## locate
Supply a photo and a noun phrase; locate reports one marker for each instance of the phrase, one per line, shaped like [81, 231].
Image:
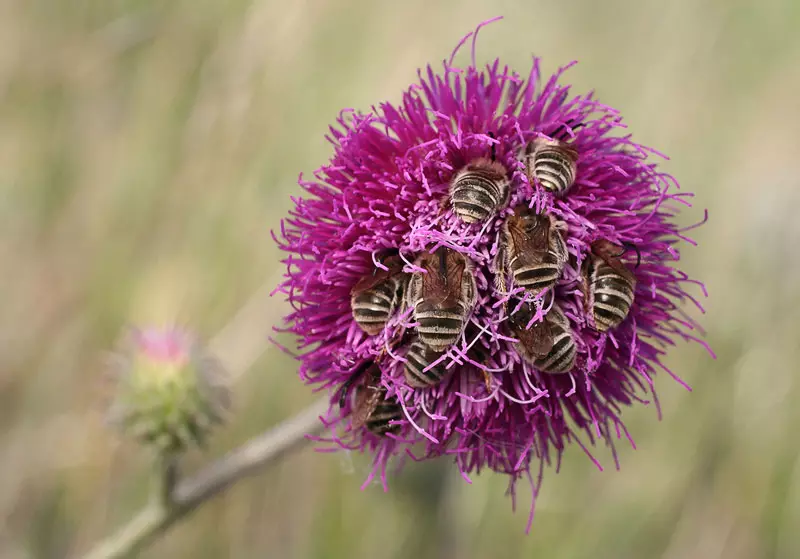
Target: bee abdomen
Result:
[554, 169]
[476, 194]
[373, 307]
[417, 359]
[537, 278]
[561, 358]
[439, 329]
[612, 298]
[379, 421]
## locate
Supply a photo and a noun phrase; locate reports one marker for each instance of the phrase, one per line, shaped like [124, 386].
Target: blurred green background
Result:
[146, 150]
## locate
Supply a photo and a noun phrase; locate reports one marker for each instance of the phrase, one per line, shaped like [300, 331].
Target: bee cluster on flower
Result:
[484, 271]
[441, 293]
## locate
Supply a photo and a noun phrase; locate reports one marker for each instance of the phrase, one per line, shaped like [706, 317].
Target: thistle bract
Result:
[387, 187]
[170, 392]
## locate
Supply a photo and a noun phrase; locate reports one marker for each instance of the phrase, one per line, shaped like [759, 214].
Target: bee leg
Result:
[494, 146]
[584, 286]
[444, 204]
[345, 388]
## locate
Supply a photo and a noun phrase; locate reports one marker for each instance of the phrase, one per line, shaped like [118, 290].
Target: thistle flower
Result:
[170, 392]
[387, 186]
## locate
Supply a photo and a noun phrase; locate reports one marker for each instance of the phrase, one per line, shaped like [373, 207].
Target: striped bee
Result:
[561, 357]
[552, 162]
[609, 285]
[442, 298]
[374, 298]
[372, 408]
[533, 249]
[478, 190]
[537, 340]
[418, 357]
[549, 344]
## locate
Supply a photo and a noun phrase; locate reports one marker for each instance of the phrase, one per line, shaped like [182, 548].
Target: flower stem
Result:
[186, 495]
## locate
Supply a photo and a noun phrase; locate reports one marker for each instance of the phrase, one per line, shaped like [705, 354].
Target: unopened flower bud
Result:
[170, 391]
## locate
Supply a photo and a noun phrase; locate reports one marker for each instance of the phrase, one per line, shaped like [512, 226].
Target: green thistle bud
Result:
[170, 391]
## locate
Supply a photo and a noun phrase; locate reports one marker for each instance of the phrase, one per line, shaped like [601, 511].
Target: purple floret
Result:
[384, 188]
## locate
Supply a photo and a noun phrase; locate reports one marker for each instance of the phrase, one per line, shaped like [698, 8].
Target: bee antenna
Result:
[626, 246]
[494, 146]
[558, 133]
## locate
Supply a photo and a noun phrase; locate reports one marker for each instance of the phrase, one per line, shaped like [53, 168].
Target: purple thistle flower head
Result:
[485, 271]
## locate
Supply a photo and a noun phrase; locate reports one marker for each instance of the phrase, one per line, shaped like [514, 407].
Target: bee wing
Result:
[529, 247]
[368, 282]
[499, 270]
[378, 275]
[538, 339]
[610, 253]
[443, 291]
[623, 270]
[434, 291]
[367, 400]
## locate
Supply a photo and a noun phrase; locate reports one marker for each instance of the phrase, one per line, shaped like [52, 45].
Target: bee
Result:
[479, 189]
[609, 285]
[561, 357]
[418, 357]
[549, 345]
[374, 298]
[533, 249]
[372, 408]
[442, 298]
[553, 163]
[537, 340]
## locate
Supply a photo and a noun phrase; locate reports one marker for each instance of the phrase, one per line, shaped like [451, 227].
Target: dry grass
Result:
[147, 148]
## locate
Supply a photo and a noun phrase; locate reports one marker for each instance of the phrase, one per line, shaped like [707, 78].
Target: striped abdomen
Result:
[379, 420]
[561, 358]
[419, 356]
[554, 166]
[373, 307]
[479, 190]
[539, 276]
[440, 328]
[611, 296]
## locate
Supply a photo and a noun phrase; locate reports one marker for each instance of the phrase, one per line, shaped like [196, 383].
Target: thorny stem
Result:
[187, 494]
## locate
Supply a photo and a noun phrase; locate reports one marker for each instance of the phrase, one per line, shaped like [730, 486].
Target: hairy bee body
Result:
[419, 357]
[478, 190]
[442, 298]
[380, 419]
[534, 249]
[611, 288]
[536, 340]
[374, 298]
[553, 164]
[373, 307]
[561, 356]
[372, 409]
